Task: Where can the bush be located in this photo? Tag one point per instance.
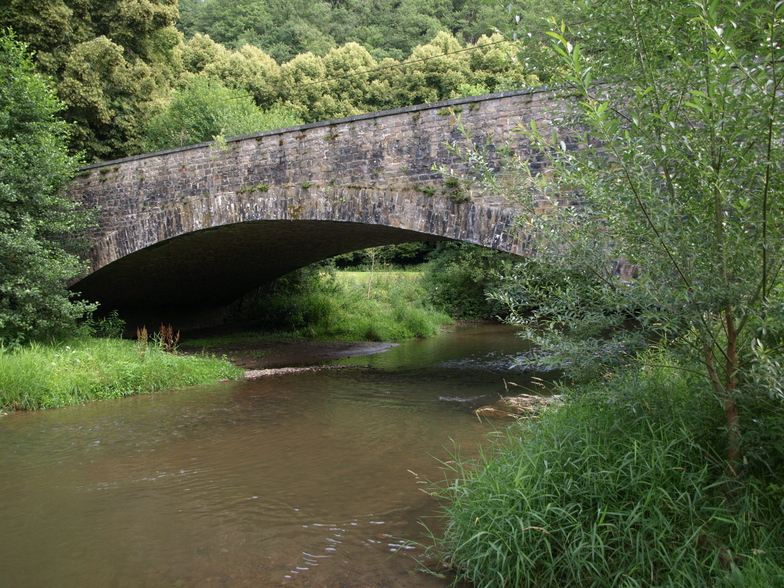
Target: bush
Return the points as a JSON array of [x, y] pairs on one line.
[[460, 277], [205, 110], [621, 486]]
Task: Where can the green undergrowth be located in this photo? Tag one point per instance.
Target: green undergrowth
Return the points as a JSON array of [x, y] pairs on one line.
[[41, 376], [320, 304], [621, 486]]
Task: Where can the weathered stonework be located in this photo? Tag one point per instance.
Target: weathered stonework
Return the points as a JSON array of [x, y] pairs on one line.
[[201, 225]]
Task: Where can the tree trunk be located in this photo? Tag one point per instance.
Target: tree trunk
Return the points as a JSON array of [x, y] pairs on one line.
[[726, 388], [730, 407]]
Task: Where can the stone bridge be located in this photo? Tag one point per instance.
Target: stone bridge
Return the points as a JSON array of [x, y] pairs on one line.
[[201, 225]]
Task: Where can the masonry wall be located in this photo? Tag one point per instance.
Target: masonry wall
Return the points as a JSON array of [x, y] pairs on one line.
[[376, 170]]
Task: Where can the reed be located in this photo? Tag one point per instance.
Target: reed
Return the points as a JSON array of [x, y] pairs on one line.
[[621, 488], [46, 376]]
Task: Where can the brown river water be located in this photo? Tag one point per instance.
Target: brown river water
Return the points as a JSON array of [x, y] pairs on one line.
[[308, 479]]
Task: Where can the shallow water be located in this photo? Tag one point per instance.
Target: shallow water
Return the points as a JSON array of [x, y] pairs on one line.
[[310, 479]]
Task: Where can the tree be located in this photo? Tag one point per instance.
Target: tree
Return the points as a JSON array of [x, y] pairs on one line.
[[437, 78], [386, 28], [36, 219], [230, 22], [459, 277], [679, 173], [204, 110], [112, 61], [248, 69], [109, 98]]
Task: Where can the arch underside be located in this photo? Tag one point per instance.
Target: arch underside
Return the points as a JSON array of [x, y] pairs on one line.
[[215, 266]]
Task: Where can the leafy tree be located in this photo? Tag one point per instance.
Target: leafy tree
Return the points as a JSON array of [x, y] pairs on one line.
[[36, 219], [250, 70], [398, 255], [204, 110], [200, 51], [231, 22], [386, 28], [460, 277], [410, 23], [680, 175], [303, 84], [282, 29], [109, 98], [497, 67], [112, 63]]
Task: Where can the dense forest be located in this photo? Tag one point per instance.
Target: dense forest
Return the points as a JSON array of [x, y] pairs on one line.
[[386, 28], [141, 75]]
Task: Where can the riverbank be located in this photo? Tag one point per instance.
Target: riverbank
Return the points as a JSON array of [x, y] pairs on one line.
[[40, 376], [622, 483]]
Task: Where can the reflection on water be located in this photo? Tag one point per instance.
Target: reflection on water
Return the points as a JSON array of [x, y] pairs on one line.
[[295, 480]]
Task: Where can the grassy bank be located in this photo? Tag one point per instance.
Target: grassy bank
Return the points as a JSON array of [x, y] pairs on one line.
[[46, 376], [346, 306], [622, 486], [313, 304]]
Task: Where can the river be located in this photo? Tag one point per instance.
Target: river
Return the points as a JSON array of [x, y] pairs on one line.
[[308, 479]]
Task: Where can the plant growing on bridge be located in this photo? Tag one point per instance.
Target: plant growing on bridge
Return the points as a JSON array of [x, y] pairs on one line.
[[38, 223]]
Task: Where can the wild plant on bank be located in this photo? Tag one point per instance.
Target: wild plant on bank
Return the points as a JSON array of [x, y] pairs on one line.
[[623, 486], [167, 339], [142, 338], [48, 376]]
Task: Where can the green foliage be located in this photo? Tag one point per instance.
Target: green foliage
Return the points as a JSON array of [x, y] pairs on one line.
[[115, 64], [233, 22], [386, 28], [111, 325], [205, 109], [580, 327], [460, 277], [678, 172], [112, 63], [49, 376], [249, 69], [108, 97], [386, 256], [315, 302], [37, 222], [621, 486], [348, 80]]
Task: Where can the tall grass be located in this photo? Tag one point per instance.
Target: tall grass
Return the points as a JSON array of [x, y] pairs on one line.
[[326, 305], [47, 376], [622, 486]]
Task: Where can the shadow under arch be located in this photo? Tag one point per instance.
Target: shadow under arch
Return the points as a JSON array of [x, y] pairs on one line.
[[215, 266]]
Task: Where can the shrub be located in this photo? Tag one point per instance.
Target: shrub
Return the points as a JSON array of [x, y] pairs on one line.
[[622, 486], [460, 276]]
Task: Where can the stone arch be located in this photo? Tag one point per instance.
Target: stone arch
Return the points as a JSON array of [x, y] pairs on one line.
[[195, 226], [237, 252]]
